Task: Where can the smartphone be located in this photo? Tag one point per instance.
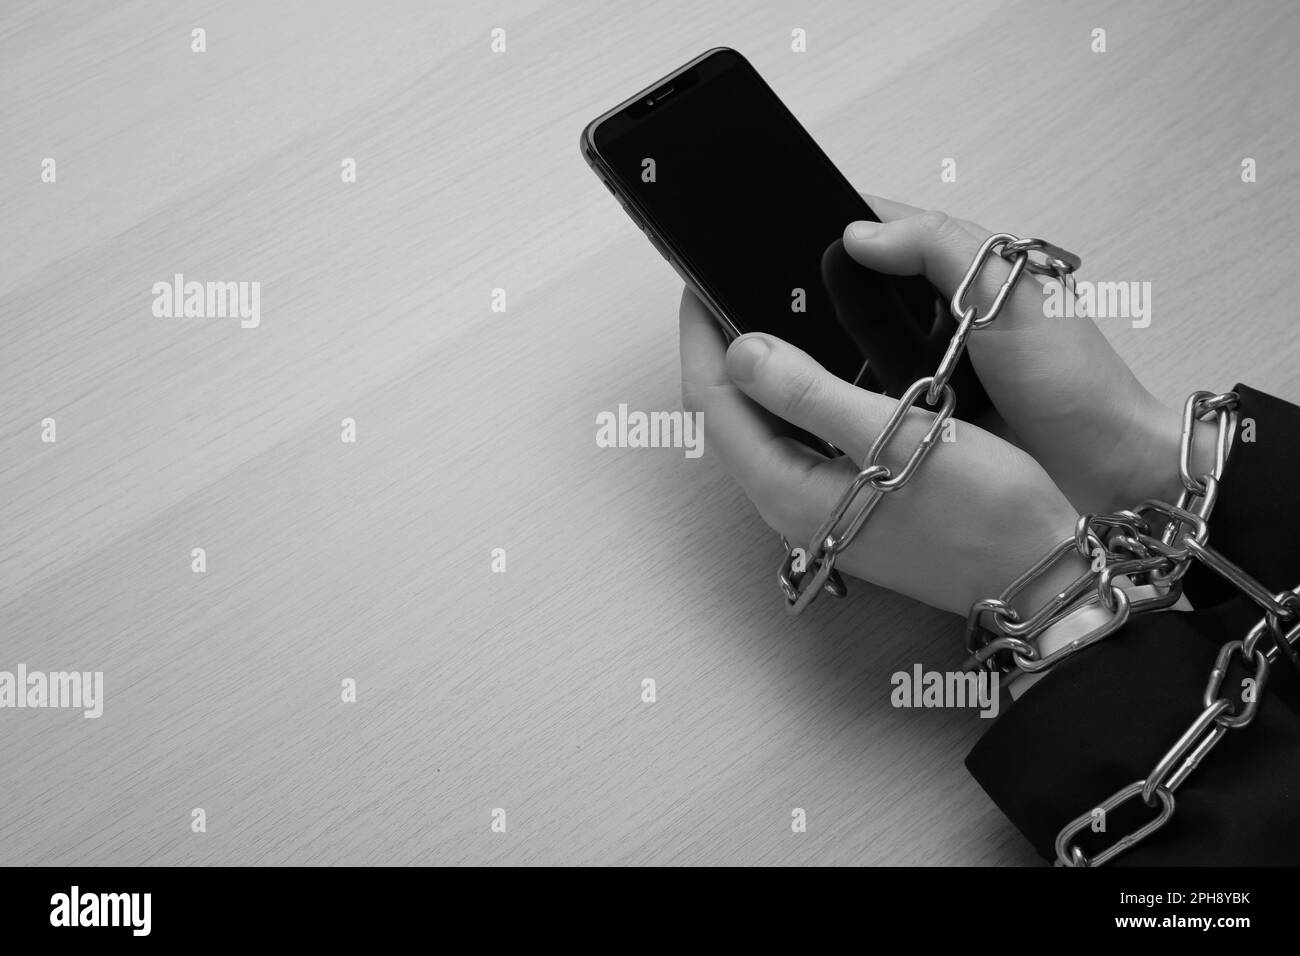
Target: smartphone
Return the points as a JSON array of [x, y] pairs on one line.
[[744, 204]]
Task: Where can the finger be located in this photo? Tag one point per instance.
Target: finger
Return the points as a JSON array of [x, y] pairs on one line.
[[747, 440], [941, 248], [790, 384], [889, 209], [928, 243], [702, 347]]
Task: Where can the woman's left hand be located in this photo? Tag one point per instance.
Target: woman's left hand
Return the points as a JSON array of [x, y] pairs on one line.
[[975, 515]]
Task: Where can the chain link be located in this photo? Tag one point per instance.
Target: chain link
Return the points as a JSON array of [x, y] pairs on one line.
[[805, 573]]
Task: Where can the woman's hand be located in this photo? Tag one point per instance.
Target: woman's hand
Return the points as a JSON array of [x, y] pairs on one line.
[[976, 514], [1069, 399]]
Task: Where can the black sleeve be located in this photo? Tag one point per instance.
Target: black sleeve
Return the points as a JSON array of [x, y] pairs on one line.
[[1256, 521], [1101, 719]]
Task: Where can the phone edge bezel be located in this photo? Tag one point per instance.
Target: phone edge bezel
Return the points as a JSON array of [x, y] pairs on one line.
[[591, 154]]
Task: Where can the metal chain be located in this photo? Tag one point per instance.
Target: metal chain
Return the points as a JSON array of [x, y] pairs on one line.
[[1218, 716], [1149, 547], [805, 573], [1126, 545]]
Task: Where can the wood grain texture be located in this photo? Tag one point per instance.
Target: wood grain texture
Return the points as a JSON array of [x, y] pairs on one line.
[[518, 690]]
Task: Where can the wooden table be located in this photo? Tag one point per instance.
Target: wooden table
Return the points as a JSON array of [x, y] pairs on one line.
[[371, 561]]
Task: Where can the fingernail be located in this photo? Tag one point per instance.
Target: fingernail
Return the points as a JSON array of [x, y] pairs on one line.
[[862, 229], [743, 358]]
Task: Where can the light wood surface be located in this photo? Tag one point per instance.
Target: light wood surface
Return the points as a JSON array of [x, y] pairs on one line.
[[370, 561]]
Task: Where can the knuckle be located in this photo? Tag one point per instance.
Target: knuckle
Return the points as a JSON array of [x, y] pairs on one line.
[[777, 514], [781, 502], [937, 222], [801, 395], [765, 492]]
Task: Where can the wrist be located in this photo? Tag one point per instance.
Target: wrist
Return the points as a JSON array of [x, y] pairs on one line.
[[1051, 527], [1051, 582], [1160, 475], [1155, 435]]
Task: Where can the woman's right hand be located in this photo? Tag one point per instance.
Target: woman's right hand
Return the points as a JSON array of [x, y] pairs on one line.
[[1067, 396]]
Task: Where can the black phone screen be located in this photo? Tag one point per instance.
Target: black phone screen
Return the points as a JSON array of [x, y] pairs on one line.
[[745, 198]]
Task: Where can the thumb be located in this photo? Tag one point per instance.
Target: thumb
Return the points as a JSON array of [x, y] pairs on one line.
[[941, 248], [931, 244]]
